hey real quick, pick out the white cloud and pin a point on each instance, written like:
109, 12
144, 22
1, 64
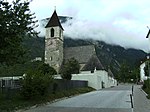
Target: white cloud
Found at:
121, 22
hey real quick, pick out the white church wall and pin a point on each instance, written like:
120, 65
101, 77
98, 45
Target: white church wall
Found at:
104, 77
112, 82
94, 81
85, 72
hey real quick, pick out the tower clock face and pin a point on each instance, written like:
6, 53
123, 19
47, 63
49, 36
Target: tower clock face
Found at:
51, 43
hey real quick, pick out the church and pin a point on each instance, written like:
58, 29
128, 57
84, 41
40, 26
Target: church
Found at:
55, 53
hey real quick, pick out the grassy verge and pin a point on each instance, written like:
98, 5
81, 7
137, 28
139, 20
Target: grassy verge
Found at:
10, 104
146, 87
148, 92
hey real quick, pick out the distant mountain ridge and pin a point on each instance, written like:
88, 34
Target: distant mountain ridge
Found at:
110, 54
106, 53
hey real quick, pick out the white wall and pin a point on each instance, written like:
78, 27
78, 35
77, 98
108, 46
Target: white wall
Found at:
142, 73
85, 72
94, 79
104, 77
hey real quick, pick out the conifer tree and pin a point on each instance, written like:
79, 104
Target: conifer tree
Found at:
16, 23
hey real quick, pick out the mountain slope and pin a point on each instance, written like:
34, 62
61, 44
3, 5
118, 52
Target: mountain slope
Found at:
107, 54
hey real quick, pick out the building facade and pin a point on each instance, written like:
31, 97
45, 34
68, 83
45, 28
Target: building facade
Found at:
55, 53
54, 43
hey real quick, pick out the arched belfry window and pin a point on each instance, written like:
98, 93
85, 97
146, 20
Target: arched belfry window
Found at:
52, 32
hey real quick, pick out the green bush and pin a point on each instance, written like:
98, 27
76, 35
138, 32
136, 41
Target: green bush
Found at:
46, 69
146, 87
146, 84
35, 85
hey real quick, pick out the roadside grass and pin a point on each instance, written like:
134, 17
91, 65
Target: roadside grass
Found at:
147, 91
16, 102
146, 87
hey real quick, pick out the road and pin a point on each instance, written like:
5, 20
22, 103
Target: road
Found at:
141, 103
115, 99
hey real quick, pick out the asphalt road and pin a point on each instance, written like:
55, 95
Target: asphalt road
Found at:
115, 99
141, 103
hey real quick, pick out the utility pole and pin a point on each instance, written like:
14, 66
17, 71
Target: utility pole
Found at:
148, 66
148, 51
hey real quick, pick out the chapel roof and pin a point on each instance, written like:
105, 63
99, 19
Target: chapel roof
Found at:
110, 73
93, 63
81, 53
54, 21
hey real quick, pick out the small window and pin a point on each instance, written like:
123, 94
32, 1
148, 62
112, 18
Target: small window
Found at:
51, 58
45, 52
52, 32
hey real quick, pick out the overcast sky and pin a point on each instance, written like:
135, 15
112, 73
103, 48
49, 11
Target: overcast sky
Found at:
120, 22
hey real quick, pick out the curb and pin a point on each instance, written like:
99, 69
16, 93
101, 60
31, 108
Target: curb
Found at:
144, 92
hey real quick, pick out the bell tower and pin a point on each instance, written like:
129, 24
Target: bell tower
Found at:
54, 42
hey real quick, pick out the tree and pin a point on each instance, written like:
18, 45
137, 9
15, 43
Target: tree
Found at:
37, 80
70, 67
35, 85
16, 23
135, 75
146, 68
46, 69
124, 73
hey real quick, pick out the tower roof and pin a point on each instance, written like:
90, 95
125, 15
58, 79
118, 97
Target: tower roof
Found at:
54, 21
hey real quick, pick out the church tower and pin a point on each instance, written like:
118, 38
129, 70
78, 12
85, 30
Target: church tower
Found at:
54, 42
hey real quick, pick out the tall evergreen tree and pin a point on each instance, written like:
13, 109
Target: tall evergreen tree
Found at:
16, 23
124, 73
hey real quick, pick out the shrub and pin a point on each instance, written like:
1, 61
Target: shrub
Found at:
146, 84
46, 69
146, 87
35, 85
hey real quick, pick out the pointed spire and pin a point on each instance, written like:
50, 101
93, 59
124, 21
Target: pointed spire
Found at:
54, 21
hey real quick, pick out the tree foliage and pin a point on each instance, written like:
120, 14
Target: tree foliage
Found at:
146, 87
16, 23
146, 68
35, 85
37, 80
46, 69
126, 73
70, 67
20, 69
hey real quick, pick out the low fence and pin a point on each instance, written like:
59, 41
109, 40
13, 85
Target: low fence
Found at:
10, 82
61, 84
58, 85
